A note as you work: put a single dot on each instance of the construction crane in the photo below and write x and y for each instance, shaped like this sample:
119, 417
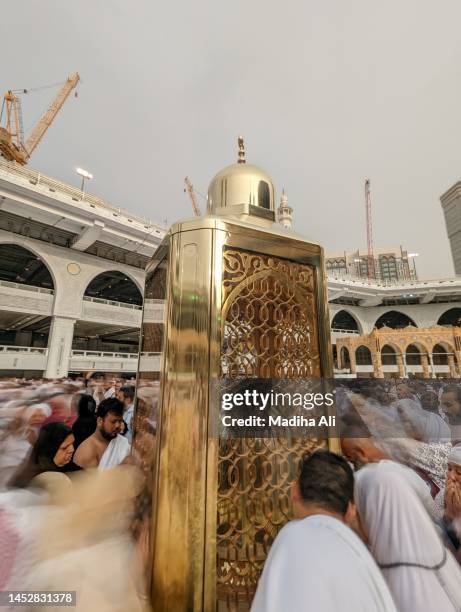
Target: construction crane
12, 145
370, 258
190, 190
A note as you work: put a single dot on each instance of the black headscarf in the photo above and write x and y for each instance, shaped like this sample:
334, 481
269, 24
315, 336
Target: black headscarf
41, 457
85, 425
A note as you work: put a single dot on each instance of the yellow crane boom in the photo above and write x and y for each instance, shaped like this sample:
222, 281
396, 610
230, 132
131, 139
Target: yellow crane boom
12, 146
44, 123
190, 190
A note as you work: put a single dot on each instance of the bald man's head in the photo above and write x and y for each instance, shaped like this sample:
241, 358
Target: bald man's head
361, 451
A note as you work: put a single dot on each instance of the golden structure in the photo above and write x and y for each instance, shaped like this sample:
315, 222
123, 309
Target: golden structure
243, 299
420, 352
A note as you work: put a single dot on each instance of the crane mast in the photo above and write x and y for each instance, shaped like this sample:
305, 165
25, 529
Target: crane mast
11, 136
370, 258
190, 190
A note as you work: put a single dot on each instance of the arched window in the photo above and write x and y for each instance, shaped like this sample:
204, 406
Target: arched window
363, 356
344, 321
19, 265
335, 356
264, 195
439, 355
450, 318
394, 320
388, 355
114, 286
413, 355
345, 358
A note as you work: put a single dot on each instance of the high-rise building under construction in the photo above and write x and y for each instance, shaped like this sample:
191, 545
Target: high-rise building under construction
388, 265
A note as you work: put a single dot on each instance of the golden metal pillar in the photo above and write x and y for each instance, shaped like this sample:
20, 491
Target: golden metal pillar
242, 299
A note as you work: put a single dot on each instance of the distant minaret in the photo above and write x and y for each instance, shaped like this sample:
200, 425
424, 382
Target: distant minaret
285, 212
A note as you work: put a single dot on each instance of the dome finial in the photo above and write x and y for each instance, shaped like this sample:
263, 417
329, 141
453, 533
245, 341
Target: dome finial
241, 159
242, 191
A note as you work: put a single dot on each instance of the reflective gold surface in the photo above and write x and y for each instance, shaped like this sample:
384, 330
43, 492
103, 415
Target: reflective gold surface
269, 330
269, 318
242, 190
240, 301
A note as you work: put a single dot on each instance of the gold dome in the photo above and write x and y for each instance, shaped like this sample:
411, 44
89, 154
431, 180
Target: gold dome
241, 190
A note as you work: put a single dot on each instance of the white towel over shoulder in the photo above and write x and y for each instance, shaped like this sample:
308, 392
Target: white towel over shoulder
115, 453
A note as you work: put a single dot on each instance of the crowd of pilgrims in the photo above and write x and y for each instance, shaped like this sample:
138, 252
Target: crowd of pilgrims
379, 527
375, 528
69, 491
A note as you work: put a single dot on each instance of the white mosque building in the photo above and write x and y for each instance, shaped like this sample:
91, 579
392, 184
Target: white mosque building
72, 277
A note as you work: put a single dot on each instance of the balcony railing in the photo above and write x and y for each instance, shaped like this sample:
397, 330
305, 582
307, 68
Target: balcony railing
36, 178
87, 298
418, 283
335, 330
4, 283
4, 348
104, 354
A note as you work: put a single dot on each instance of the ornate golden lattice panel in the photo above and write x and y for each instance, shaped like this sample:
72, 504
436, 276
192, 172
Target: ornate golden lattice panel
269, 331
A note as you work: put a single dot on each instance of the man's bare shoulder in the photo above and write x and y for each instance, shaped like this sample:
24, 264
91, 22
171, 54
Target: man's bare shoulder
87, 454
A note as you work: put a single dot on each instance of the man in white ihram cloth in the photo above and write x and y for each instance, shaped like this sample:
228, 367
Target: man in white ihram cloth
317, 563
105, 448
421, 573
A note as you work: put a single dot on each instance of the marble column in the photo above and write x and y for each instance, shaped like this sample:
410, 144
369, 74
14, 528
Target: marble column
425, 364
431, 363
353, 362
378, 366
59, 346
452, 366
402, 365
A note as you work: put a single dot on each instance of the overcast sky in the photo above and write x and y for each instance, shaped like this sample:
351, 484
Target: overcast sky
325, 92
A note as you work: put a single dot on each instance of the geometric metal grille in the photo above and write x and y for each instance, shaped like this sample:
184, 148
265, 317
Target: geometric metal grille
269, 316
269, 330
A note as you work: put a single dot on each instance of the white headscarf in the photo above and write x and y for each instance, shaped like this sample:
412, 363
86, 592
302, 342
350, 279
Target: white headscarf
42, 407
319, 564
422, 575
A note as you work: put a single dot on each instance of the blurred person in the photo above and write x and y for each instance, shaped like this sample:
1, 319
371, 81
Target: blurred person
60, 399
451, 404
421, 573
88, 543
449, 500
85, 425
106, 447
36, 415
420, 424
363, 451
316, 561
428, 458
22, 512
52, 452
452, 492
126, 396
404, 392
104, 389
418, 387
18, 435
430, 401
